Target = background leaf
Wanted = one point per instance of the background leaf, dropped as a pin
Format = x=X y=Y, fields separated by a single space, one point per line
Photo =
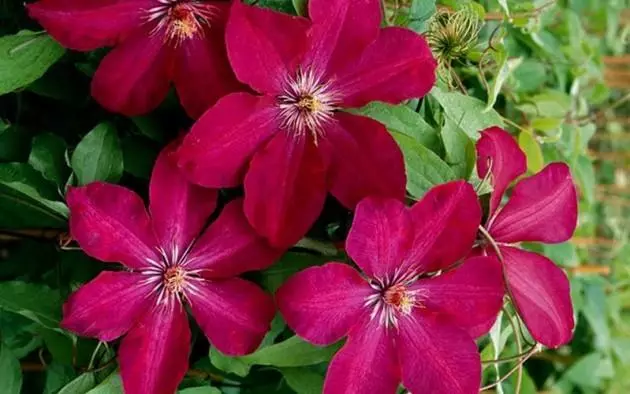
x=98 y=157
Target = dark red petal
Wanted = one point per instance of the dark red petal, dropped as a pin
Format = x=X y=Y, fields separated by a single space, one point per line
x=397 y=66
x=216 y=151
x=470 y=295
x=264 y=45
x=340 y=33
x=437 y=358
x=87 y=25
x=234 y=314
x=134 y=77
x=285 y=189
x=322 y=304
x=446 y=221
x=230 y=246
x=366 y=363
x=542 y=208
x=499 y=154
x=153 y=357
x=96 y=310
x=380 y=236
x=541 y=292
x=202 y=71
x=111 y=224
x=179 y=209
x=365 y=160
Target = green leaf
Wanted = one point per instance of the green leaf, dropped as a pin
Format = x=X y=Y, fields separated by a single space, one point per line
x=290 y=263
x=235 y=365
x=59 y=345
x=424 y=168
x=57 y=376
x=584 y=172
x=549 y=104
x=111 y=385
x=81 y=385
x=460 y=149
x=98 y=157
x=14 y=144
x=34 y=301
x=200 y=390
x=402 y=119
x=531 y=147
x=421 y=12
x=27 y=199
x=25 y=57
x=138 y=156
x=594 y=310
x=303 y=380
x=10 y=372
x=301 y=7
x=507 y=67
x=583 y=372
x=504 y=5
x=546 y=125
x=467 y=112
x=529 y=76
x=48 y=157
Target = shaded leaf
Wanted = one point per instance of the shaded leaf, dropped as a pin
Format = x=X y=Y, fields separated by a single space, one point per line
x=10 y=372
x=81 y=385
x=48 y=157
x=98 y=157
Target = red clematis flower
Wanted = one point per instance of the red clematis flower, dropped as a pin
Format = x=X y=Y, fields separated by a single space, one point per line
x=401 y=323
x=157 y=42
x=170 y=261
x=291 y=144
x=542 y=208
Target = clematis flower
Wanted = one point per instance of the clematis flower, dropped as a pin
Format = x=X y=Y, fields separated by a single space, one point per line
x=156 y=42
x=169 y=262
x=291 y=144
x=402 y=322
x=542 y=208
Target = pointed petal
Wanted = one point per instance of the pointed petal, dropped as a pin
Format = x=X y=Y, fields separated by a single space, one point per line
x=321 y=304
x=179 y=209
x=230 y=246
x=499 y=154
x=153 y=357
x=134 y=77
x=437 y=358
x=264 y=45
x=541 y=292
x=367 y=363
x=469 y=296
x=446 y=221
x=340 y=33
x=216 y=151
x=96 y=310
x=365 y=160
x=542 y=208
x=396 y=67
x=111 y=224
x=202 y=71
x=285 y=189
x=380 y=236
x=234 y=314
x=87 y=25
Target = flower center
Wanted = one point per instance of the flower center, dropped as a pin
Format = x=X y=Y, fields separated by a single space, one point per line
x=399 y=298
x=181 y=19
x=393 y=299
x=307 y=104
x=175 y=279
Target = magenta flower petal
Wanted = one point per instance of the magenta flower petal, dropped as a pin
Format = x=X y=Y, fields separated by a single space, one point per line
x=202 y=72
x=264 y=46
x=87 y=25
x=84 y=310
x=234 y=314
x=542 y=208
x=321 y=304
x=285 y=189
x=367 y=363
x=230 y=246
x=541 y=292
x=499 y=154
x=216 y=151
x=153 y=357
x=469 y=296
x=365 y=160
x=385 y=73
x=135 y=76
x=341 y=31
x=179 y=209
x=437 y=358
x=380 y=237
x=446 y=221
x=111 y=224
